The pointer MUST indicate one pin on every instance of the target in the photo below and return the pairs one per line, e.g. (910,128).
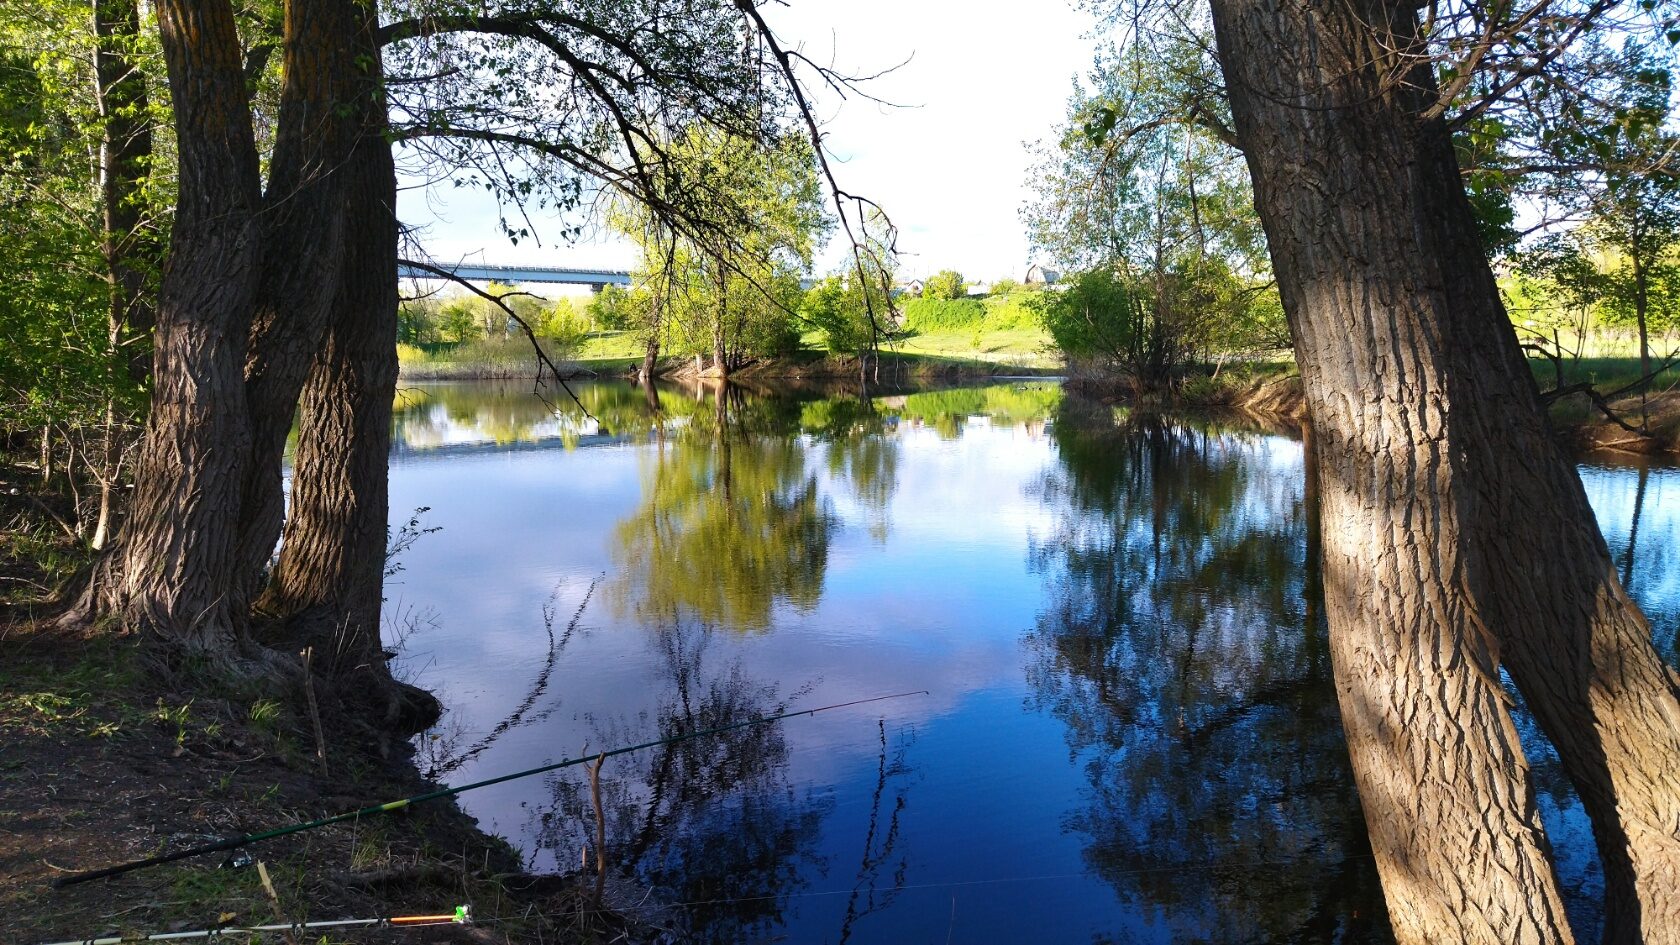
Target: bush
(417,322)
(411,354)
(458,321)
(1010,312)
(932,314)
(563,324)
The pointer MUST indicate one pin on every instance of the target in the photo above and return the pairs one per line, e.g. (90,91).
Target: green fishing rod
(234,843)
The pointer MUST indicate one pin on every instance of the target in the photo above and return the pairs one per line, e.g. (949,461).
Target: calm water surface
(1130,732)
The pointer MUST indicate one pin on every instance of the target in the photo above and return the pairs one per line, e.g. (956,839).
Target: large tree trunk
(1456,531)
(327,589)
(332,560)
(303,248)
(178,547)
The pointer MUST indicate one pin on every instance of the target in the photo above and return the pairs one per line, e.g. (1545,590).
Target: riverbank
(1273,390)
(107,761)
(1270,389)
(935,354)
(106,764)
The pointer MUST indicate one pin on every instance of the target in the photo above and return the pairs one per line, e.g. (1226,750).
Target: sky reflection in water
(1131,731)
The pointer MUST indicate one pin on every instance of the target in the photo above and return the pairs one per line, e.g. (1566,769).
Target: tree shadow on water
(709,830)
(1184,649)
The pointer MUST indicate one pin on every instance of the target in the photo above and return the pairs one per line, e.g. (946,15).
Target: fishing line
(233,843)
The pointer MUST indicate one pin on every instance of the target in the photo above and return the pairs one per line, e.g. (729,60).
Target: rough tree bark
(303,250)
(327,589)
(1456,532)
(650,357)
(177,547)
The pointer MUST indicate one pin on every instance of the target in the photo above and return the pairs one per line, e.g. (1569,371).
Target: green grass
(74,699)
(1606,373)
(609,348)
(990,348)
(1025,348)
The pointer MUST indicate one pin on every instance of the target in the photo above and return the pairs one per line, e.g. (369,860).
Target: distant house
(913,288)
(1037,274)
(977,289)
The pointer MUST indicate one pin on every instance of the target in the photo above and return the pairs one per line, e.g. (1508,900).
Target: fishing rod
(233,843)
(461,916)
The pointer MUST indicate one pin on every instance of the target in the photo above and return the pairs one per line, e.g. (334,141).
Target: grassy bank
(499,359)
(1005,351)
(1273,388)
(952,351)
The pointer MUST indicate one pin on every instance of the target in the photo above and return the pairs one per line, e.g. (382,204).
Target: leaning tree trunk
(1456,531)
(303,248)
(174,574)
(327,589)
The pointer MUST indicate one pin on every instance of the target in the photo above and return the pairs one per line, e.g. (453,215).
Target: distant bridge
(520,275)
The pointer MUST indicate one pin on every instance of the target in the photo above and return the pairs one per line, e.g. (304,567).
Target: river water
(1129,731)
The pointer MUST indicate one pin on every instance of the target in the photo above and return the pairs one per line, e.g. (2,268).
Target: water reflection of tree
(875,889)
(1182,651)
(860,449)
(947,411)
(446,752)
(710,825)
(732,521)
(1646,554)
(510,412)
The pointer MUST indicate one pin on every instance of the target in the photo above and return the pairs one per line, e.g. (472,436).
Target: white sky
(949,167)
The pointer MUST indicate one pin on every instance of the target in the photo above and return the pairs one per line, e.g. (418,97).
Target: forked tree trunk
(327,589)
(178,550)
(303,248)
(332,560)
(1455,530)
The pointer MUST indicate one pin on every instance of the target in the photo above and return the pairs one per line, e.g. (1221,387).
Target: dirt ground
(100,765)
(1592,431)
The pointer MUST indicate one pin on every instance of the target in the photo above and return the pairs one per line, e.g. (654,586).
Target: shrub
(411,354)
(458,321)
(933,314)
(563,324)
(1010,312)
